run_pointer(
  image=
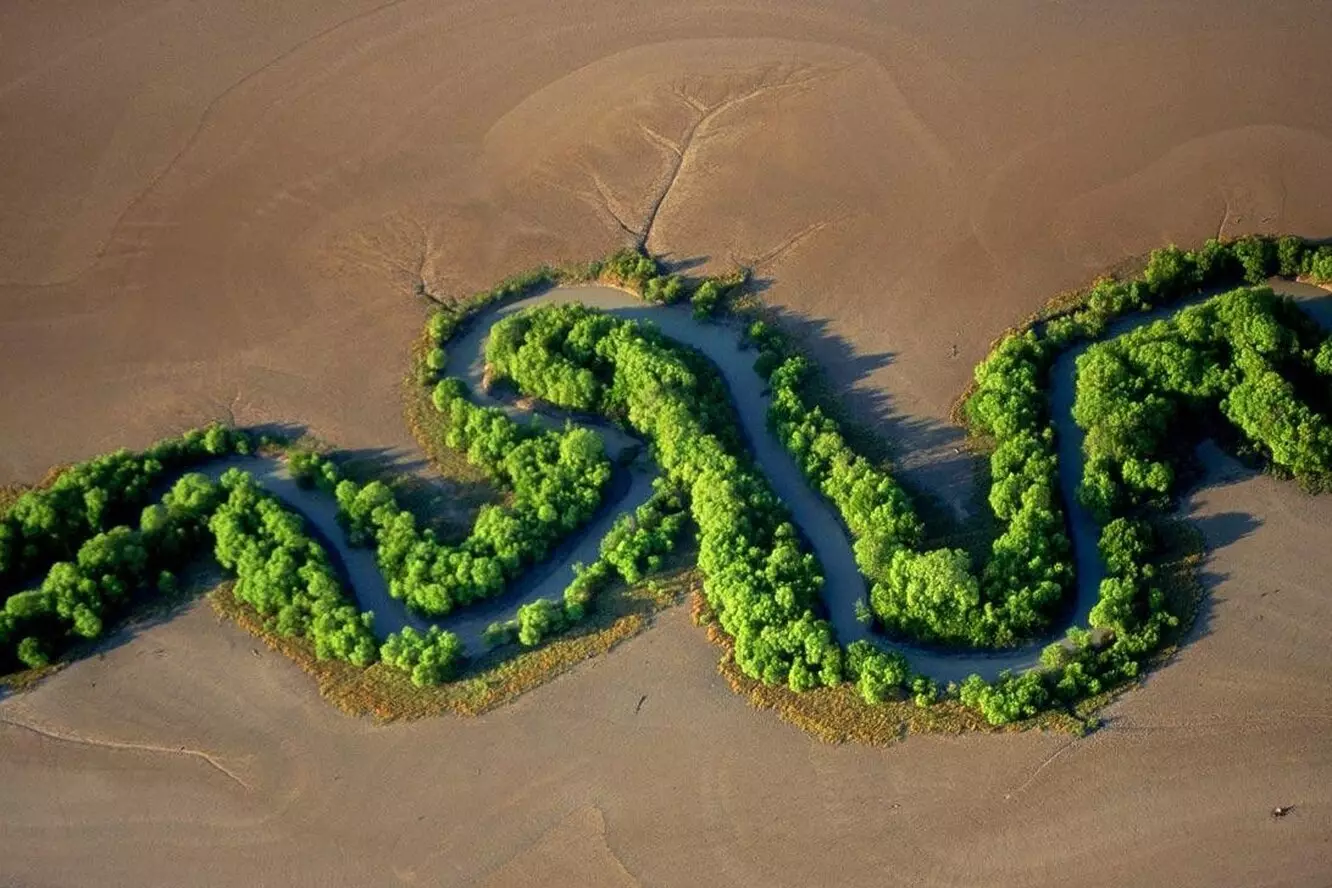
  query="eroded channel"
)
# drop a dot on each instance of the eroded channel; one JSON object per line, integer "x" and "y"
{"x": 721, "y": 342}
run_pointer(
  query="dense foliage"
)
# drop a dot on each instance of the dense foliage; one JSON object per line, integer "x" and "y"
{"x": 1172, "y": 274}
{"x": 759, "y": 580}
{"x": 430, "y": 657}
{"x": 641, "y": 273}
{"x": 1246, "y": 366}
{"x": 556, "y": 480}
{"x": 92, "y": 497}
{"x": 587, "y": 361}
{"x": 284, "y": 574}
{"x": 634, "y": 548}
{"x": 78, "y": 598}
{"x": 639, "y": 541}
{"x": 281, "y": 572}
{"x": 1247, "y": 356}
{"x": 935, "y": 595}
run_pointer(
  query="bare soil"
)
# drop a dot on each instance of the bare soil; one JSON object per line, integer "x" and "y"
{"x": 225, "y": 211}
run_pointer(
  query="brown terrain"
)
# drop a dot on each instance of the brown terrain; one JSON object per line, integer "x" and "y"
{"x": 223, "y": 210}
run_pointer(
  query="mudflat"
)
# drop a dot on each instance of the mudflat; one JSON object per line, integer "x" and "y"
{"x": 225, "y": 212}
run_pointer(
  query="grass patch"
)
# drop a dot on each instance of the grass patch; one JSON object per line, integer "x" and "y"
{"x": 499, "y": 677}
{"x": 9, "y": 493}
{"x": 21, "y": 682}
{"x": 466, "y": 488}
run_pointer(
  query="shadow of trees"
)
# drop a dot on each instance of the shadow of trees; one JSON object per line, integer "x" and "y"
{"x": 447, "y": 505}
{"x": 1215, "y": 532}
{"x": 928, "y": 455}
{"x": 1225, "y": 528}
{"x": 147, "y": 609}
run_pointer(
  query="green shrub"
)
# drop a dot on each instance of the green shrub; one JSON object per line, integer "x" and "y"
{"x": 538, "y": 620}
{"x": 285, "y": 575}
{"x": 757, "y": 578}
{"x": 32, "y": 654}
{"x": 557, "y": 480}
{"x": 430, "y": 658}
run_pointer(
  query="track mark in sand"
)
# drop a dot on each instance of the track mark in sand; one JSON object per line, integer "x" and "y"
{"x": 229, "y": 407}
{"x": 688, "y": 141}
{"x": 1045, "y": 763}
{"x": 574, "y": 849}
{"x": 602, "y": 201}
{"x": 787, "y": 245}
{"x": 679, "y": 153}
{"x": 720, "y": 837}
{"x": 616, "y": 861}
{"x": 660, "y": 140}
{"x": 420, "y": 287}
{"x": 75, "y": 739}
{"x": 1279, "y": 720}
{"x": 1225, "y": 217}
{"x": 401, "y": 249}
{"x": 608, "y": 202}
{"x": 204, "y": 117}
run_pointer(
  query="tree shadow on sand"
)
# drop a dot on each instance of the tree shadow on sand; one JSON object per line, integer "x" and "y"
{"x": 929, "y": 456}
{"x": 1215, "y": 532}
{"x": 682, "y": 265}
{"x": 447, "y": 505}
{"x": 148, "y": 609}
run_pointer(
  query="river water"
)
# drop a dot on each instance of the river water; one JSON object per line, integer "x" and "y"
{"x": 817, "y": 519}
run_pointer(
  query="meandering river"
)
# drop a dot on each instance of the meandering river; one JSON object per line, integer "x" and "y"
{"x": 720, "y": 341}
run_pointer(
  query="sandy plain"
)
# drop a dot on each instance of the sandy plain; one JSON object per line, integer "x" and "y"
{"x": 223, "y": 211}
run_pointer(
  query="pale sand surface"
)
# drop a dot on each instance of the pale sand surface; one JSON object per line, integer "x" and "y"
{"x": 221, "y": 211}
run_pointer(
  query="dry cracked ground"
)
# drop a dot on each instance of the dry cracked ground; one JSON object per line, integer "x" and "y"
{"x": 223, "y": 211}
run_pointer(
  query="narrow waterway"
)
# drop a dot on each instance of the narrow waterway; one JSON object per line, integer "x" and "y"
{"x": 819, "y": 522}
{"x": 720, "y": 342}
{"x": 361, "y": 573}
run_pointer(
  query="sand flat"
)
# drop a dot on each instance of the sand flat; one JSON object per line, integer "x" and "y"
{"x": 223, "y": 212}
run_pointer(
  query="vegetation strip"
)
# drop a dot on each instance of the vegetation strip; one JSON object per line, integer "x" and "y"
{"x": 1247, "y": 357}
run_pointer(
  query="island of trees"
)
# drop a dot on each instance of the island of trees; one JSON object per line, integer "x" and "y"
{"x": 1195, "y": 346}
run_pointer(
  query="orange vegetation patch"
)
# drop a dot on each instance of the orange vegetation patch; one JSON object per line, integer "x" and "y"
{"x": 841, "y": 715}
{"x": 11, "y": 492}
{"x": 495, "y": 679}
